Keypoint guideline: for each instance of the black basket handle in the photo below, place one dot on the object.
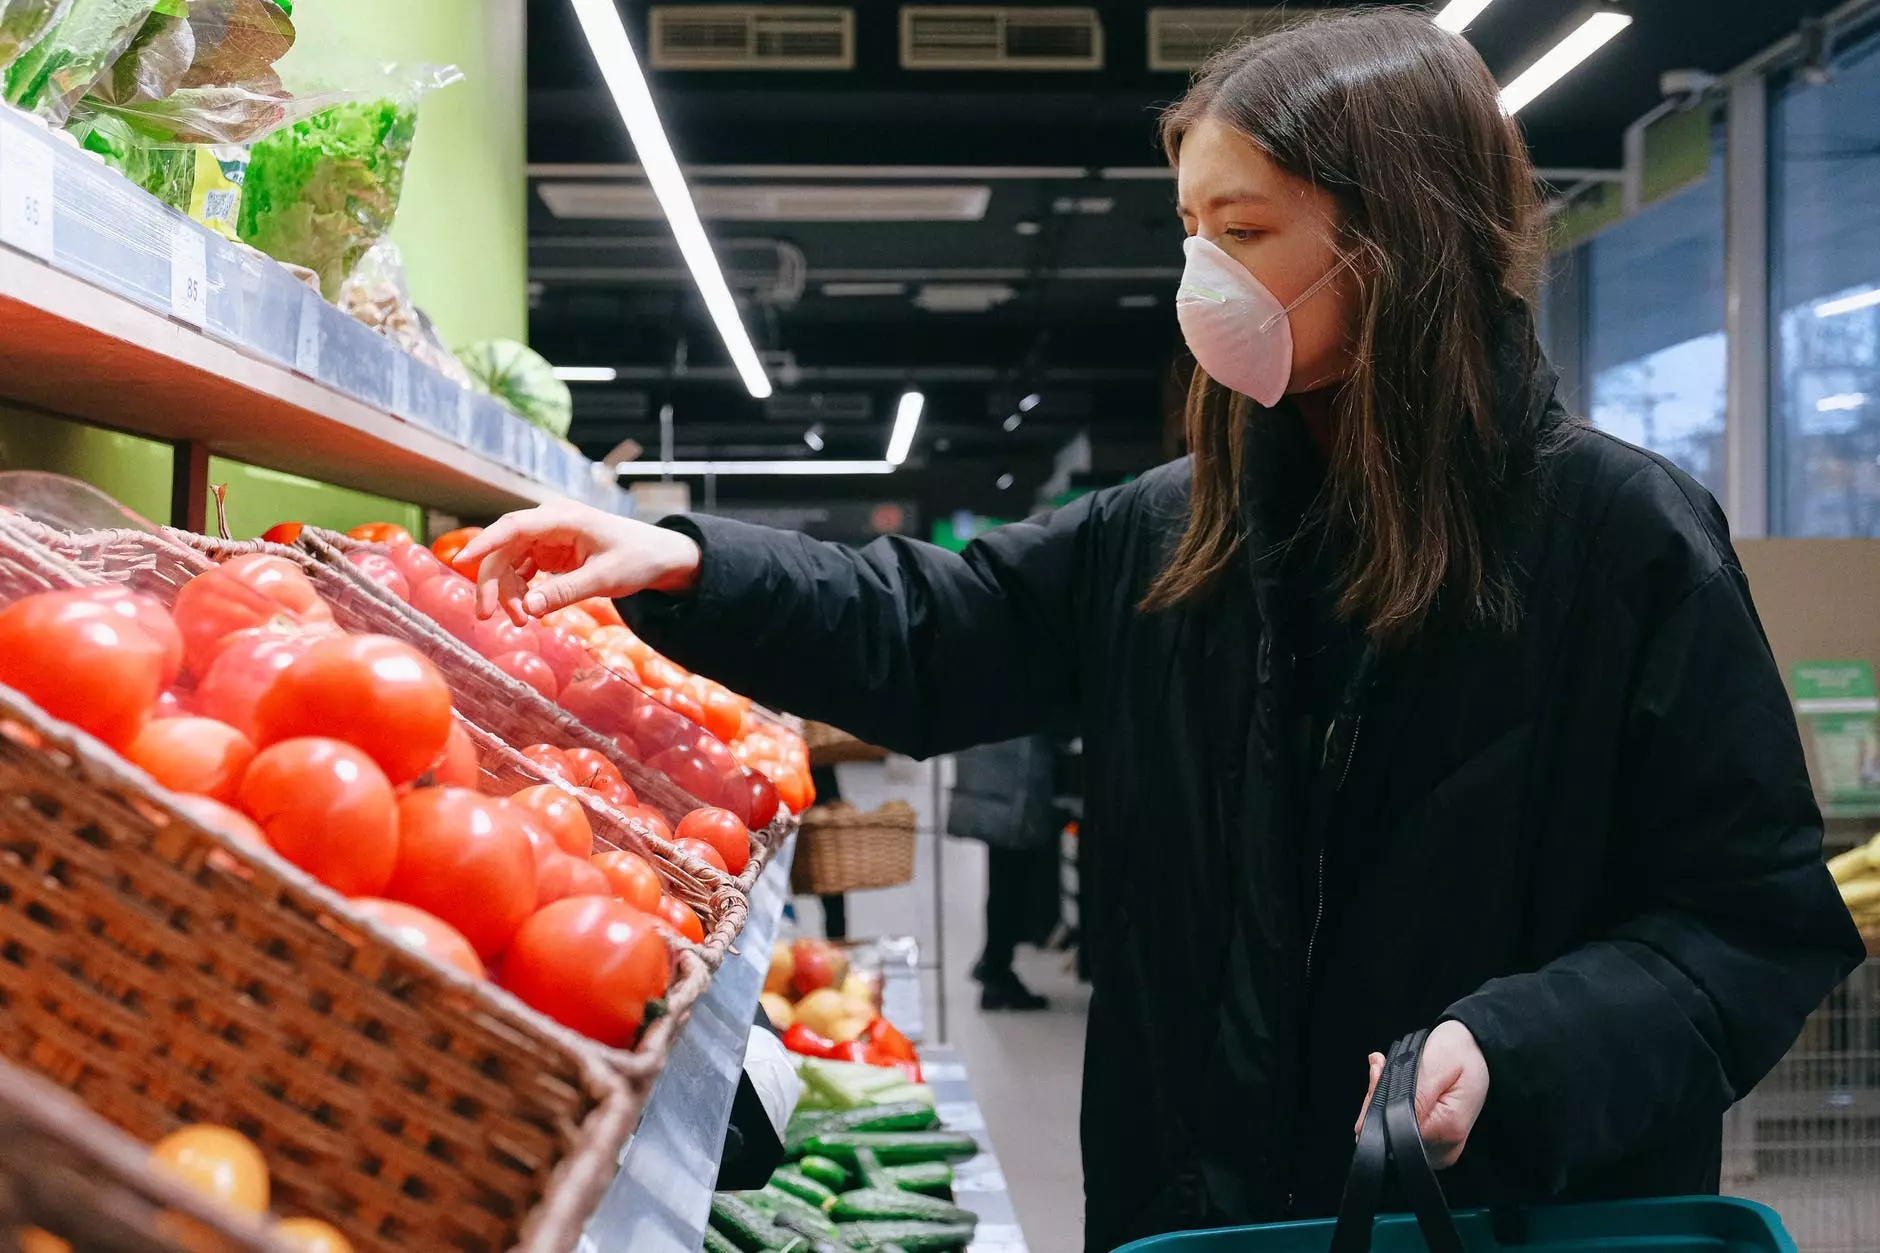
(1389, 1135)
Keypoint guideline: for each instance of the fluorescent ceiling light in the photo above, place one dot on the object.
(1849, 304)
(800, 465)
(906, 422)
(1586, 39)
(613, 52)
(586, 373)
(772, 202)
(1841, 403)
(1457, 14)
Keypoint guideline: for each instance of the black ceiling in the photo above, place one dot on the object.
(1077, 311)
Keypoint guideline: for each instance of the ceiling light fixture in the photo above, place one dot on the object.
(1588, 37)
(814, 437)
(1849, 304)
(613, 52)
(1005, 482)
(1842, 403)
(586, 373)
(906, 422)
(1030, 402)
(1457, 14)
(803, 465)
(1014, 422)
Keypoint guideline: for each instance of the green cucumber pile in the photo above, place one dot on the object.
(875, 1179)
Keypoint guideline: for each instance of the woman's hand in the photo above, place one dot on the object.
(589, 552)
(1452, 1084)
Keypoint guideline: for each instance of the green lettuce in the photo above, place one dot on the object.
(55, 73)
(22, 22)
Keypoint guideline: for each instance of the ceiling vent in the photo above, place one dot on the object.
(784, 202)
(820, 407)
(1181, 40)
(947, 38)
(721, 37)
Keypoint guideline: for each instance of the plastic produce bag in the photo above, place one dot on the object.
(22, 22)
(519, 377)
(321, 192)
(204, 182)
(377, 295)
(206, 77)
(76, 50)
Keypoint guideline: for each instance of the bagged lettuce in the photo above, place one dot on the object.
(75, 51)
(22, 22)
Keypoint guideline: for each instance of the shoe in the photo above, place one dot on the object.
(1002, 990)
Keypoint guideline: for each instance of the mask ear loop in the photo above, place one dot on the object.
(1309, 292)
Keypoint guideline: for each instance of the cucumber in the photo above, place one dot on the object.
(914, 1237)
(929, 1178)
(798, 1131)
(896, 1148)
(831, 1175)
(888, 1204)
(717, 1242)
(774, 1203)
(802, 1187)
(750, 1229)
(869, 1167)
(815, 1239)
(900, 1116)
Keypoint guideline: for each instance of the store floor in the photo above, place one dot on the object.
(1025, 1069)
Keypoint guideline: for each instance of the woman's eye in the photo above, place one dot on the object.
(1242, 234)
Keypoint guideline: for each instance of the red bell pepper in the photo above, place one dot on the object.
(891, 1042)
(800, 1039)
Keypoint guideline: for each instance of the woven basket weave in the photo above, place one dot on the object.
(840, 849)
(166, 973)
(830, 746)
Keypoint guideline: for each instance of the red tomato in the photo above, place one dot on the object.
(658, 672)
(679, 916)
(587, 879)
(82, 661)
(591, 963)
(716, 755)
(226, 819)
(449, 601)
(577, 622)
(528, 668)
(466, 858)
(495, 636)
(703, 851)
(196, 755)
(147, 613)
(282, 533)
(630, 877)
(564, 653)
(417, 563)
(689, 769)
(656, 728)
(554, 877)
(457, 765)
(615, 791)
(171, 704)
(795, 789)
(422, 933)
(724, 716)
(216, 605)
(724, 831)
(327, 808)
(759, 800)
(561, 815)
(603, 700)
(625, 744)
(551, 761)
(381, 533)
(446, 547)
(283, 583)
(382, 570)
(682, 703)
(602, 611)
(369, 690)
(590, 766)
(245, 667)
(654, 821)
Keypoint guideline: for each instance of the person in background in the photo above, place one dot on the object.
(1408, 700)
(835, 906)
(1002, 797)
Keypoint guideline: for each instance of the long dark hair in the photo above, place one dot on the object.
(1400, 121)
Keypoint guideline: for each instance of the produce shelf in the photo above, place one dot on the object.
(662, 1197)
(979, 1184)
(119, 311)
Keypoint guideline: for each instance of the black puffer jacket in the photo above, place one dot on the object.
(1591, 840)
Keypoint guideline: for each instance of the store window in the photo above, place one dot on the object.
(1825, 294)
(1657, 359)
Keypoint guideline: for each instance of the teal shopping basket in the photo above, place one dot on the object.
(1698, 1224)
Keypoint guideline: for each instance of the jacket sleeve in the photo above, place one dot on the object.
(903, 644)
(1735, 930)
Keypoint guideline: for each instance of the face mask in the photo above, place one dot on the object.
(1237, 329)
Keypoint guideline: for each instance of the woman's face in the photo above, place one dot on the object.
(1285, 231)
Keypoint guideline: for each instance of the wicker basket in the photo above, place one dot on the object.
(829, 746)
(166, 973)
(840, 849)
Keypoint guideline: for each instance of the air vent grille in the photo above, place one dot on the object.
(1181, 40)
(721, 37)
(948, 38)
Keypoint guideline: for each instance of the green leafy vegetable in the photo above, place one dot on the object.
(169, 174)
(22, 22)
(55, 73)
(520, 378)
(321, 192)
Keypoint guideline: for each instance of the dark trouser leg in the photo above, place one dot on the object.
(1008, 881)
(836, 916)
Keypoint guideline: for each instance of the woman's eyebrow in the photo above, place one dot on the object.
(1228, 199)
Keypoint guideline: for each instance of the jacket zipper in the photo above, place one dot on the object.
(1318, 916)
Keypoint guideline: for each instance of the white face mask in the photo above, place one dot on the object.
(1237, 329)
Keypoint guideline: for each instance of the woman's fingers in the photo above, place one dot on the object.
(1377, 1070)
(563, 590)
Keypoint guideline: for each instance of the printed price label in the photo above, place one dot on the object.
(189, 275)
(25, 192)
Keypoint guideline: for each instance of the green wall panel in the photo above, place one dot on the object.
(133, 471)
(259, 498)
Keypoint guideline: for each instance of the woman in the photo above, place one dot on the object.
(1406, 699)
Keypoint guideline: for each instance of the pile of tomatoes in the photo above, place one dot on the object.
(342, 754)
(585, 658)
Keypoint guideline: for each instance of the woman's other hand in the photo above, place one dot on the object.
(1452, 1084)
(589, 553)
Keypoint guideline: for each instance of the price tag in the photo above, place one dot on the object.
(25, 192)
(189, 275)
